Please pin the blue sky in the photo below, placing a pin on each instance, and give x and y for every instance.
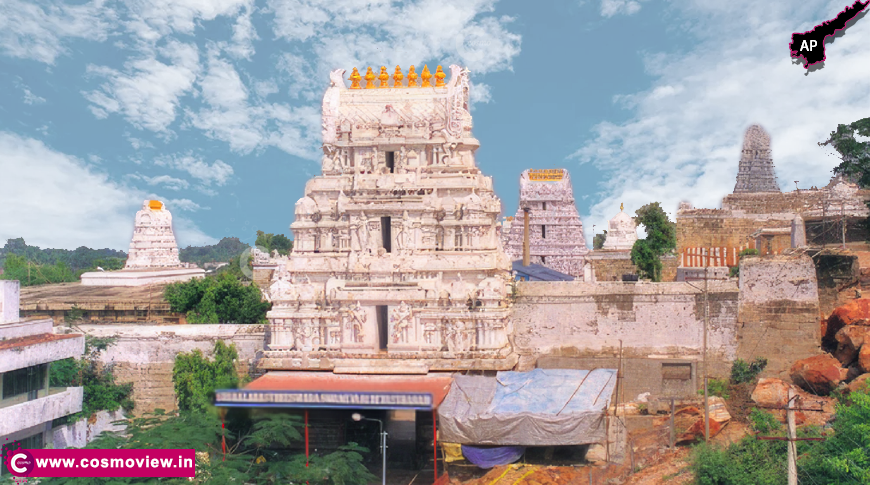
(214, 105)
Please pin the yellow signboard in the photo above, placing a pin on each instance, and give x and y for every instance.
(546, 175)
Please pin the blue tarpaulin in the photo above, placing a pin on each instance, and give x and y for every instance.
(490, 456)
(544, 407)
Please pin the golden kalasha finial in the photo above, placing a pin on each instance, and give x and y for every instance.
(355, 79)
(412, 78)
(621, 208)
(397, 77)
(370, 79)
(439, 77)
(384, 77)
(426, 76)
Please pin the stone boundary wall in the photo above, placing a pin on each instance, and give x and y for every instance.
(85, 430)
(778, 315)
(583, 325)
(145, 354)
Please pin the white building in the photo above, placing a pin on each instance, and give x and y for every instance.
(27, 348)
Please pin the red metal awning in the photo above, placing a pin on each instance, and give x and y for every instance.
(302, 389)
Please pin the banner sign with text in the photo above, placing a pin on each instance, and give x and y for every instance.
(318, 399)
(546, 175)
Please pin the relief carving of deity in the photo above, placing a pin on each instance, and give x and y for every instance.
(356, 319)
(401, 318)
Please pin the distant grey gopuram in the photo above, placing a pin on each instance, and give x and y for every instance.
(756, 173)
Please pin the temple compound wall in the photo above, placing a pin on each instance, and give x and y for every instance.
(656, 329)
(555, 231)
(778, 314)
(395, 254)
(145, 354)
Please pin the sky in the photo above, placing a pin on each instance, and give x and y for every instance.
(213, 106)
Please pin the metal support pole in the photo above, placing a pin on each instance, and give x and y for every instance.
(435, 443)
(792, 443)
(384, 453)
(306, 438)
(706, 392)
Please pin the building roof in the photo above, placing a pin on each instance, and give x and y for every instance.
(536, 272)
(64, 295)
(29, 340)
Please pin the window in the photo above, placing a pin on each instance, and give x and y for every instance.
(383, 326)
(386, 233)
(543, 206)
(391, 161)
(29, 380)
(543, 231)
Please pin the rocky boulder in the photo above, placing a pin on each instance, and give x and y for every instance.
(861, 382)
(864, 358)
(849, 341)
(771, 392)
(819, 374)
(855, 312)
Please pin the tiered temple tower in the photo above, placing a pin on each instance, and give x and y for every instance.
(756, 172)
(395, 247)
(153, 257)
(555, 231)
(153, 244)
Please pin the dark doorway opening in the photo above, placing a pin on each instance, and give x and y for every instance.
(543, 231)
(383, 326)
(386, 233)
(391, 161)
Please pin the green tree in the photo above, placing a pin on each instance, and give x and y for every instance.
(217, 299)
(195, 377)
(226, 249)
(854, 154)
(661, 238)
(271, 241)
(101, 392)
(844, 457)
(598, 240)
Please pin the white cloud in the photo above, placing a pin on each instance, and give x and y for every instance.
(244, 35)
(348, 33)
(32, 31)
(609, 8)
(183, 205)
(168, 182)
(231, 118)
(217, 173)
(149, 91)
(56, 201)
(479, 93)
(151, 20)
(30, 98)
(683, 140)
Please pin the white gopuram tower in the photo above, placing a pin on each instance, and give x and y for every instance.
(153, 257)
(395, 247)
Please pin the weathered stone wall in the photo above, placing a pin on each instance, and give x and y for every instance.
(611, 265)
(659, 326)
(85, 430)
(145, 354)
(778, 316)
(838, 278)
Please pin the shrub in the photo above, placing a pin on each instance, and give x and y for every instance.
(217, 299)
(716, 387)
(741, 371)
(195, 377)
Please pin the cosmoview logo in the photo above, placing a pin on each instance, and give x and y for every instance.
(21, 463)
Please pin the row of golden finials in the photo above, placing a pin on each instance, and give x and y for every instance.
(370, 77)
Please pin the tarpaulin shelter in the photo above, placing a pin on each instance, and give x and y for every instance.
(544, 407)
